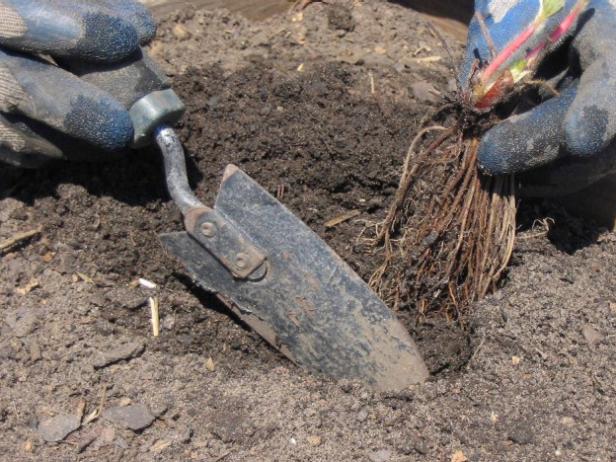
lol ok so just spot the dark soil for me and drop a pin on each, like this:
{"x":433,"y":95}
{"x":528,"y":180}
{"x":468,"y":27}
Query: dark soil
{"x":320,"y":110}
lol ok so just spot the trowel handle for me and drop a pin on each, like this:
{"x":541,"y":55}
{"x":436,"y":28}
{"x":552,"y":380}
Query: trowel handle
{"x":141,"y":86}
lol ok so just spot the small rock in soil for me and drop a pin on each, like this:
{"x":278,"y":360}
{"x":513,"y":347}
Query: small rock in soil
{"x":180,"y":32}
{"x":22,"y":322}
{"x":424,"y":92}
{"x":591,"y":335}
{"x":59,"y":427}
{"x":340,"y":18}
{"x":521,"y":433}
{"x":124,"y":297}
{"x":135,"y":417}
{"x":182,"y":435}
{"x":384,"y":455}
{"x":85,"y":441}
{"x":105,"y":437}
{"x":127,"y":351}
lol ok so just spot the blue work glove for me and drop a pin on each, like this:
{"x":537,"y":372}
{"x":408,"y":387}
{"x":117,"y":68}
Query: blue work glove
{"x":567,"y":142}
{"x":47,"y":112}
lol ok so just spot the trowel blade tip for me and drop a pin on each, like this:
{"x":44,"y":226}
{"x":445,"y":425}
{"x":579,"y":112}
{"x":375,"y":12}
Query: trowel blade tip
{"x":229,"y":171}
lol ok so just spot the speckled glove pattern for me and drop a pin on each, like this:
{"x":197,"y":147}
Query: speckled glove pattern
{"x":47,"y":112}
{"x":567,"y":142}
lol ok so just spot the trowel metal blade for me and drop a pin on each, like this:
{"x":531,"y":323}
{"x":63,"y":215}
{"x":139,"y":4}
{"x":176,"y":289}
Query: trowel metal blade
{"x":310,"y":304}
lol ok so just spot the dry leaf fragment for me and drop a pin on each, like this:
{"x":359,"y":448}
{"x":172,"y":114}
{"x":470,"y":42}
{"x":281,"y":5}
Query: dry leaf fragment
{"x":380,"y":50}
{"x":160,"y":445}
{"x":48,"y":257}
{"x":28,"y":446}
{"x":85,"y":278}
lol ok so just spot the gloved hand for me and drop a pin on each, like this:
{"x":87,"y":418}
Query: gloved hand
{"x":567,"y":141}
{"x":47,"y":112}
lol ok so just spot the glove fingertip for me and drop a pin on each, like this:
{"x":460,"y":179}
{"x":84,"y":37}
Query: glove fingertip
{"x":147,"y":31}
{"x":98,"y":44}
{"x":103,"y":123}
{"x":146,"y":25}
{"x":586,"y":131}
{"x":117,"y":133}
{"x":493,"y":158}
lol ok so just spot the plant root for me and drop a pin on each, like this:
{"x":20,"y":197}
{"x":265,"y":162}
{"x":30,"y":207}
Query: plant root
{"x":450,"y":231}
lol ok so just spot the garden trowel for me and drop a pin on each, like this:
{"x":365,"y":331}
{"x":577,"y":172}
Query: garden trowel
{"x":266,"y":265}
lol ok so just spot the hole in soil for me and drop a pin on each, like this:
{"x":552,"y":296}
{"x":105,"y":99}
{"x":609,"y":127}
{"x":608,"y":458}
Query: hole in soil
{"x":319,"y":141}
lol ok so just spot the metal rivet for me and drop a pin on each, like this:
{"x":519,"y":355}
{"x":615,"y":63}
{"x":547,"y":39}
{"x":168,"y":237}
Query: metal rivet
{"x":208,"y":229}
{"x":241,"y":260}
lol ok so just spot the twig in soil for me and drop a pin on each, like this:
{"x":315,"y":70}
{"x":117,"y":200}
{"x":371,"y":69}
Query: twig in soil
{"x":476,"y":352}
{"x":342,"y":218}
{"x":223,"y":456}
{"x":301,"y":5}
{"x":428,"y":59}
{"x":95,"y":414}
{"x":19,"y":238}
{"x":155,"y":315}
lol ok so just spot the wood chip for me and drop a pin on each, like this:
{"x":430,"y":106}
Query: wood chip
{"x":314,"y":440}
{"x":28,"y":446}
{"x":18,"y":238}
{"x":147,"y":284}
{"x":29,"y":287}
{"x":342,"y":218}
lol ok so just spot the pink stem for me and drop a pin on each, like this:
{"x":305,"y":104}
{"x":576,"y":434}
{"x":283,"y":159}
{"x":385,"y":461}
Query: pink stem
{"x":508,"y":52}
